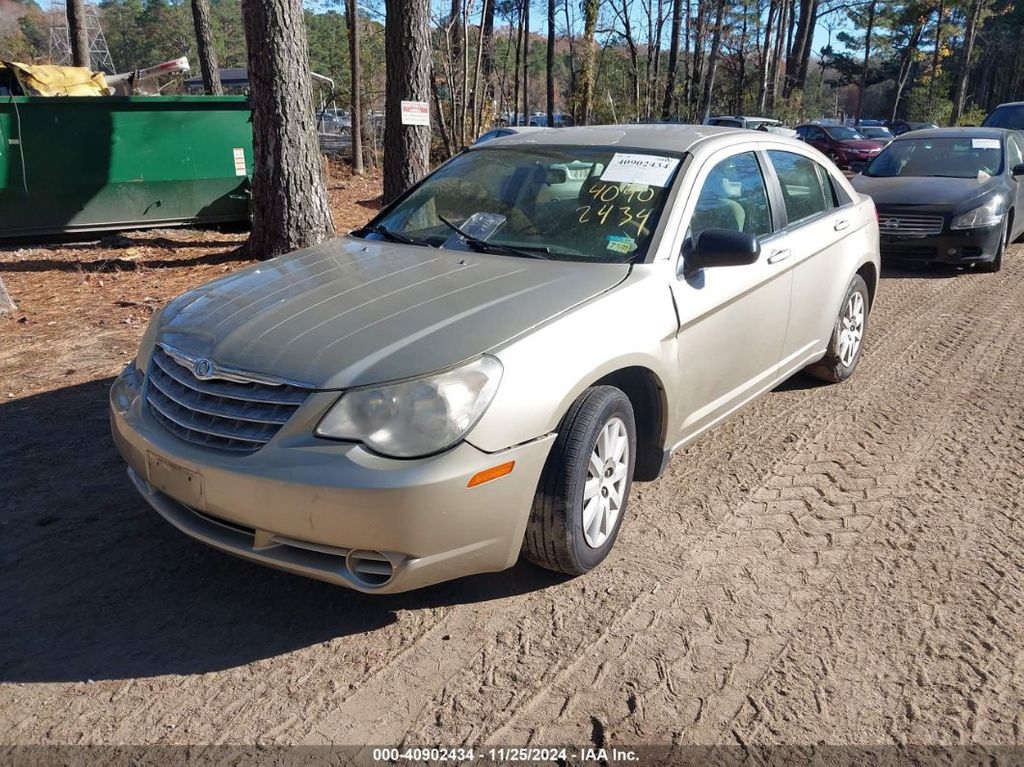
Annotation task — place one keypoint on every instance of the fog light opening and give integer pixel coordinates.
(370, 568)
(495, 472)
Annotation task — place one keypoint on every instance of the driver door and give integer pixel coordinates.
(733, 319)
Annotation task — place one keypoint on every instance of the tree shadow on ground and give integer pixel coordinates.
(96, 585)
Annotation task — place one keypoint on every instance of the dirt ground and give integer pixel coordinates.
(837, 564)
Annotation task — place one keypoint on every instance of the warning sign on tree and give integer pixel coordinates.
(415, 113)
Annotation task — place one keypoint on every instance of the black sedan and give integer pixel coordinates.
(949, 195)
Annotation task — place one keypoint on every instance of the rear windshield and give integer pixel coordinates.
(1006, 117)
(949, 157)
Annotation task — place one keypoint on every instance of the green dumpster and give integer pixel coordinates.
(78, 164)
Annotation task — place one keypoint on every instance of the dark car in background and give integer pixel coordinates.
(877, 132)
(899, 127)
(948, 195)
(840, 143)
(1007, 116)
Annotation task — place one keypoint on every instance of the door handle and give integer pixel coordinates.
(779, 255)
(841, 225)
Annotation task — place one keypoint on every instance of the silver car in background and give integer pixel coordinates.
(484, 369)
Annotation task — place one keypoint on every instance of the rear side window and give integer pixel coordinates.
(801, 182)
(1006, 117)
(733, 197)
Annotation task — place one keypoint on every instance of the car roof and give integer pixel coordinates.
(664, 137)
(1011, 104)
(954, 133)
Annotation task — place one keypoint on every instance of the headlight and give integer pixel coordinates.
(415, 418)
(989, 214)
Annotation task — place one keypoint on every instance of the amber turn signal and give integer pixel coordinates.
(494, 472)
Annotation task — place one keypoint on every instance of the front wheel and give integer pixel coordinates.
(997, 263)
(847, 339)
(583, 491)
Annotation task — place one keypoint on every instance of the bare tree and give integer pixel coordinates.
(973, 19)
(408, 55)
(716, 43)
(551, 64)
(290, 207)
(587, 56)
(526, 60)
(204, 44)
(355, 91)
(872, 7)
(673, 59)
(78, 35)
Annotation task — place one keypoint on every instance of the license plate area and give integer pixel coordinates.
(181, 484)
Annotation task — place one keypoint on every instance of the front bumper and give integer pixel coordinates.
(332, 510)
(953, 246)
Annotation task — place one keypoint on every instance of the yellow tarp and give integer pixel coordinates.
(51, 80)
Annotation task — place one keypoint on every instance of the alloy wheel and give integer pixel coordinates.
(606, 483)
(851, 329)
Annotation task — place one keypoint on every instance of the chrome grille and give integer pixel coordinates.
(227, 415)
(913, 225)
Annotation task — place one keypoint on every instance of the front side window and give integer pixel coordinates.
(561, 202)
(1016, 154)
(801, 184)
(733, 197)
(949, 157)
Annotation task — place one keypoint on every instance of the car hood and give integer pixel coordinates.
(923, 190)
(354, 312)
(859, 143)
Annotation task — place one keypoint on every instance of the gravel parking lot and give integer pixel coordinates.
(840, 564)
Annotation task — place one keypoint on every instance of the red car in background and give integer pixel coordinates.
(843, 145)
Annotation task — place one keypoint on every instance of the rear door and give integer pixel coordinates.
(819, 215)
(732, 319)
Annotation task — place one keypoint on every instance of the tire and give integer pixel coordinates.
(838, 363)
(556, 538)
(997, 263)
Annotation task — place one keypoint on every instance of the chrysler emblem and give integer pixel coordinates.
(892, 223)
(203, 369)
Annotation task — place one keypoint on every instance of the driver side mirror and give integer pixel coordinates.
(1018, 170)
(720, 247)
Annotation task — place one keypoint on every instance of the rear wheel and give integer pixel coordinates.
(847, 340)
(583, 491)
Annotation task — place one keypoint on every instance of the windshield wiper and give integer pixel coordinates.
(493, 247)
(393, 236)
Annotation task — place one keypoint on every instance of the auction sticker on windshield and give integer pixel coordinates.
(640, 169)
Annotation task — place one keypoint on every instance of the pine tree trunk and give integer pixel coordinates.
(204, 43)
(586, 81)
(906, 62)
(408, 58)
(673, 59)
(355, 90)
(551, 64)
(526, 61)
(355, 94)
(78, 35)
(290, 207)
(487, 56)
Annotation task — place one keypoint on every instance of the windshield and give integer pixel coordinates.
(1006, 117)
(949, 157)
(843, 134)
(576, 203)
